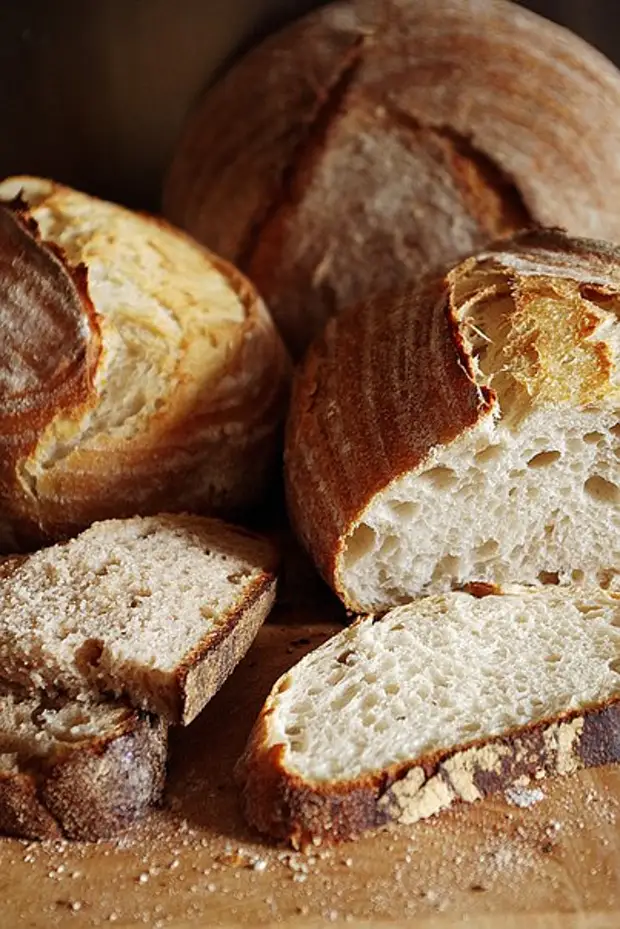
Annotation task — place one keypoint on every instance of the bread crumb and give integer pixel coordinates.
(524, 796)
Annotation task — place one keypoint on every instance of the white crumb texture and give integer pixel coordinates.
(441, 673)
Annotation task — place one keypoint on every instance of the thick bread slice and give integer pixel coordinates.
(375, 139)
(138, 372)
(159, 609)
(78, 769)
(468, 430)
(446, 699)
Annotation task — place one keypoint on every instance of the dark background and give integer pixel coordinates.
(94, 93)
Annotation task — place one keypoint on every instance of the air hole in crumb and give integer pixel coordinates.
(602, 490)
(593, 438)
(492, 453)
(348, 657)
(88, 655)
(549, 577)
(237, 576)
(615, 665)
(615, 430)
(598, 297)
(440, 478)
(208, 612)
(487, 549)
(405, 510)
(283, 685)
(397, 628)
(361, 542)
(392, 689)
(553, 659)
(543, 459)
(577, 575)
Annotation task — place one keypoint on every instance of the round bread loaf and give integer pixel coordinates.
(466, 431)
(138, 373)
(376, 139)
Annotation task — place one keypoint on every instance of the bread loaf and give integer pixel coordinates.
(157, 609)
(468, 430)
(445, 700)
(138, 372)
(76, 769)
(375, 139)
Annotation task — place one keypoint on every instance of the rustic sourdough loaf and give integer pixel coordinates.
(138, 372)
(79, 769)
(159, 609)
(374, 139)
(446, 699)
(468, 430)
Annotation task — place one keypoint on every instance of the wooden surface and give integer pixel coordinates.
(195, 863)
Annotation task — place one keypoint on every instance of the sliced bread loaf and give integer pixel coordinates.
(79, 769)
(138, 372)
(159, 609)
(468, 430)
(447, 699)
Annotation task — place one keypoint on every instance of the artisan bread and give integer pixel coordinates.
(138, 372)
(159, 609)
(375, 139)
(467, 430)
(444, 700)
(76, 769)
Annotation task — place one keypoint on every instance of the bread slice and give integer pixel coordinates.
(375, 139)
(468, 430)
(159, 609)
(447, 699)
(138, 372)
(76, 769)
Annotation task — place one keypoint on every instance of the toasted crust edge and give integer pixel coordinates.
(94, 790)
(280, 803)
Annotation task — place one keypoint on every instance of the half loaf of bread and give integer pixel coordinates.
(445, 700)
(374, 139)
(468, 430)
(76, 769)
(138, 372)
(158, 609)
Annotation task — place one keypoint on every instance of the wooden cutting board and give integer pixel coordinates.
(554, 863)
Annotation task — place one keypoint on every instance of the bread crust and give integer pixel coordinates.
(92, 789)
(391, 138)
(394, 380)
(210, 446)
(283, 805)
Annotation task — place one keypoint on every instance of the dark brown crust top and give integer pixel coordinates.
(375, 139)
(392, 380)
(281, 804)
(92, 790)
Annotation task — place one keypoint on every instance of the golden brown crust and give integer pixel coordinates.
(91, 790)
(393, 380)
(281, 804)
(371, 141)
(210, 449)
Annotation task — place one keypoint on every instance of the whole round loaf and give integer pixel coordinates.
(467, 430)
(375, 139)
(138, 372)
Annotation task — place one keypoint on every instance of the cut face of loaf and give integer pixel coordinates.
(447, 699)
(139, 372)
(79, 769)
(159, 609)
(467, 431)
(374, 140)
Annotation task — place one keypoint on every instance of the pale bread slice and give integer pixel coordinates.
(76, 769)
(159, 609)
(447, 699)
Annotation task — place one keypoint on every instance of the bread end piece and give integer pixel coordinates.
(90, 791)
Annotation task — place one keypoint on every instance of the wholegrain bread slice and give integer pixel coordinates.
(466, 430)
(138, 372)
(77, 769)
(444, 700)
(159, 609)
